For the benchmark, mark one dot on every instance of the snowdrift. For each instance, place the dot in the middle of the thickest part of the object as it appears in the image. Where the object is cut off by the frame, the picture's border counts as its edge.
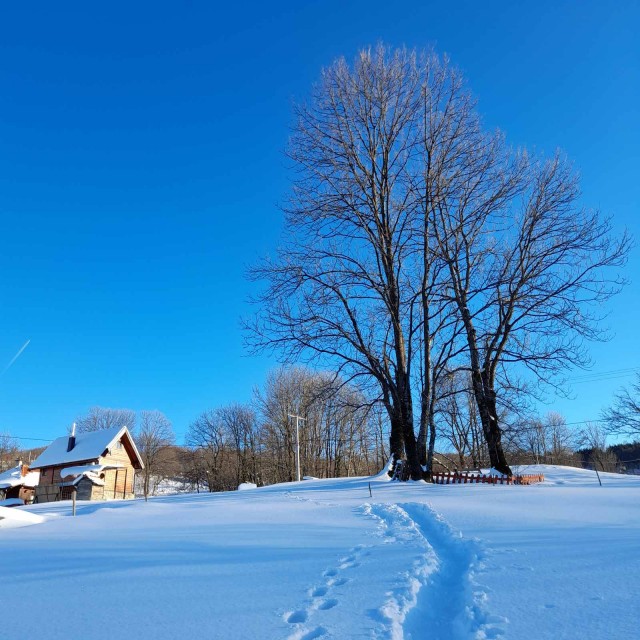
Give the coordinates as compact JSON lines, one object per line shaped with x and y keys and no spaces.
{"x":12,"y":517}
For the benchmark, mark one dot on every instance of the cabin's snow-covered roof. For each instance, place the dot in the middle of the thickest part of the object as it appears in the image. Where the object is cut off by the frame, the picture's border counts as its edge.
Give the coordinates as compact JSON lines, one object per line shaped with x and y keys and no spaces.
{"x":88,"y":446}
{"x":14,"y":478}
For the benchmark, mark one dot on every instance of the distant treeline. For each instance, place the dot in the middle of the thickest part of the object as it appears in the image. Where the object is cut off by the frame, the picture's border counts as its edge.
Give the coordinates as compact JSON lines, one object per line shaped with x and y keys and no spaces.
{"x":340,"y":431}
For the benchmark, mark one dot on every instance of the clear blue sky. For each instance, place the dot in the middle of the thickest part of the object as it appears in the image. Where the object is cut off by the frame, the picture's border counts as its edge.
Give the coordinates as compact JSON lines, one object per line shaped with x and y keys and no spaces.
{"x":141,"y":166}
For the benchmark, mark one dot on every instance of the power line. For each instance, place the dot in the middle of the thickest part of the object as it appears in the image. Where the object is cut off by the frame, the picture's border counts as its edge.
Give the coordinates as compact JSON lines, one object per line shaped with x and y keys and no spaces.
{"x":568,"y":424}
{"x":604,"y":375}
{"x":25,"y":438}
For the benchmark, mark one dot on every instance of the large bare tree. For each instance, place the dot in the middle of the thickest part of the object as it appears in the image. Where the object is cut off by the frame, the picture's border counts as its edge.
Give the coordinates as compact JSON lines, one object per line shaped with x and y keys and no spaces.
{"x":419,"y":244}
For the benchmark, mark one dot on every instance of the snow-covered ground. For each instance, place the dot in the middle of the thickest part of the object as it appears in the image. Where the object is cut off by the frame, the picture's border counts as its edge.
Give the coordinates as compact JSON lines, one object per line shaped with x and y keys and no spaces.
{"x":324,"y":559}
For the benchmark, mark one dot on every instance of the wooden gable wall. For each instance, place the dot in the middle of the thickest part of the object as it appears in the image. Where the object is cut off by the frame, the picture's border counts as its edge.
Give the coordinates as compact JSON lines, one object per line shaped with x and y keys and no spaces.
{"x":118,"y":483}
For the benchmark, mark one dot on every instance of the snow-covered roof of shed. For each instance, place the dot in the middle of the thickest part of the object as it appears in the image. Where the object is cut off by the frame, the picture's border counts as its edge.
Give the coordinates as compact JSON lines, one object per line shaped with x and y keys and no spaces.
{"x":93,"y":477}
{"x":87,"y":468}
{"x":88,"y":446}
{"x":14,"y":478}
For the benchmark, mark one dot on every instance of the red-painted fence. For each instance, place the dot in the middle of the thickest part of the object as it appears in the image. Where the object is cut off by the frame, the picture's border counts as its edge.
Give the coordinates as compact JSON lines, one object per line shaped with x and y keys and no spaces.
{"x":448,"y":477}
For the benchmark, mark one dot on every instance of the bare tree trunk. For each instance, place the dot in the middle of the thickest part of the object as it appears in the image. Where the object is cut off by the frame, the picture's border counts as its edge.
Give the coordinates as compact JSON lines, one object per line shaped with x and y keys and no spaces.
{"x":431,"y":448}
{"x":485,"y":397}
{"x":396,"y":439}
{"x":410,"y":444}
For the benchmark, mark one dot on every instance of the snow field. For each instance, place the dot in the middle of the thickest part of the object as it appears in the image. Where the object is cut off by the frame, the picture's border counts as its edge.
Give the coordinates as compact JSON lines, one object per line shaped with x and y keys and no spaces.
{"x":323,"y":559}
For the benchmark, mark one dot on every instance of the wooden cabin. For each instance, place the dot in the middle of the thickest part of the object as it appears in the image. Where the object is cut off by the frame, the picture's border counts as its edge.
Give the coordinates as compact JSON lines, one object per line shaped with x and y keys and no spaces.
{"x":99,"y":465}
{"x":19,"y":482}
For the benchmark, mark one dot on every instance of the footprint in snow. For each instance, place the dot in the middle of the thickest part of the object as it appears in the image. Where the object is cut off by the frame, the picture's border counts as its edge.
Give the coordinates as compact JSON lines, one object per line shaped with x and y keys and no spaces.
{"x":297,"y":617}
{"x":318,"y":592}
{"x":314,"y":633}
{"x":328,"y":604}
{"x":492,"y":633}
{"x":329,"y":573}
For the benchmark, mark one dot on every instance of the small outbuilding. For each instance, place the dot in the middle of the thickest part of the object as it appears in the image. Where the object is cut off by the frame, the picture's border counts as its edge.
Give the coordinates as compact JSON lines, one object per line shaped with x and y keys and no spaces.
{"x":18,"y":483}
{"x":99,"y":465}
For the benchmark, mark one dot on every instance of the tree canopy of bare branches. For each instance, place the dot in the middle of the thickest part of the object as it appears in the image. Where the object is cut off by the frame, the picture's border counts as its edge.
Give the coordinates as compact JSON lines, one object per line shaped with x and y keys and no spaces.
{"x":418,"y":244}
{"x":207,"y":436}
{"x":98,"y":418}
{"x":8,"y":451}
{"x":623,"y":417}
{"x":337,"y":435}
{"x":154,"y":439}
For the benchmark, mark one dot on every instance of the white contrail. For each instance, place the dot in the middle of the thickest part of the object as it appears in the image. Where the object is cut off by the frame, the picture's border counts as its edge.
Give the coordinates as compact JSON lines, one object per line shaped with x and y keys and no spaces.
{"x":24,"y":346}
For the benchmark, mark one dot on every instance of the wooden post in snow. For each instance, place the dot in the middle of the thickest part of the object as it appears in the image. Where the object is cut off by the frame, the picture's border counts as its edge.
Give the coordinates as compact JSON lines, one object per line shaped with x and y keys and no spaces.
{"x":595,"y":466}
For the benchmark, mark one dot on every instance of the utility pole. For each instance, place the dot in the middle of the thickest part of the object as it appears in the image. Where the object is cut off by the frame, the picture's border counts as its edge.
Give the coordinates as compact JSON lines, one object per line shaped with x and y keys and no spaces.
{"x":298,"y":418}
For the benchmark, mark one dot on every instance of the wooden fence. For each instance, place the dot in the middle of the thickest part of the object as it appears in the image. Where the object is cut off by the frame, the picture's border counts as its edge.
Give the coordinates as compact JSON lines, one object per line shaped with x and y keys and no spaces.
{"x":448,"y":477}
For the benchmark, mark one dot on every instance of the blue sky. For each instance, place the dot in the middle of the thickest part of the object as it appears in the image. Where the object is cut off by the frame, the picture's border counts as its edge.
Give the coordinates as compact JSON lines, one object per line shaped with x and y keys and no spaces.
{"x":141,"y":163}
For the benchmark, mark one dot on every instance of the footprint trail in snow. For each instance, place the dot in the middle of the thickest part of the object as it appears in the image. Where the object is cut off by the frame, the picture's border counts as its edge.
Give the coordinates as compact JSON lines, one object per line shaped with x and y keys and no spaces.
{"x":333,"y":577}
{"x":426,"y":574}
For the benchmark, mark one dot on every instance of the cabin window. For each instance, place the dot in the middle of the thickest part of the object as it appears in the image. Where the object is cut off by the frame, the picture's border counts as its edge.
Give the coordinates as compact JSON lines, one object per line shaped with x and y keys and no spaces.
{"x":118,"y":445}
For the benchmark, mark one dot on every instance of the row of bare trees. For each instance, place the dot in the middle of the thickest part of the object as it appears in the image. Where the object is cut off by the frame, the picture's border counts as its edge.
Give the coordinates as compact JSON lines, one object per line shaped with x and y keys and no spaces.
{"x":337,"y":434}
{"x":418,"y":245}
{"x":9,"y":451}
{"x":340,"y":434}
{"x":527,"y":440}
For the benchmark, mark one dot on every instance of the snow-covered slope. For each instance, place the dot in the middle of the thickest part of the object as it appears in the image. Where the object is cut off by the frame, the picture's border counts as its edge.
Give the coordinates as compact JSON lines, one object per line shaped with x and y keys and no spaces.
{"x":323,"y":558}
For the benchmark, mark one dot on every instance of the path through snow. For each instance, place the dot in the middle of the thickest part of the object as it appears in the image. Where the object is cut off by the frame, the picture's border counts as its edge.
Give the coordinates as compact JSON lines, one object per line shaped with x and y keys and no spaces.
{"x":432,"y":592}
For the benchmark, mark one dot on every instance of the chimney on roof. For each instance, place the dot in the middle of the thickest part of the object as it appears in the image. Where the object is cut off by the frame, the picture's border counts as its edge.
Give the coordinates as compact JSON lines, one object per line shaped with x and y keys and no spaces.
{"x":72,"y":438}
